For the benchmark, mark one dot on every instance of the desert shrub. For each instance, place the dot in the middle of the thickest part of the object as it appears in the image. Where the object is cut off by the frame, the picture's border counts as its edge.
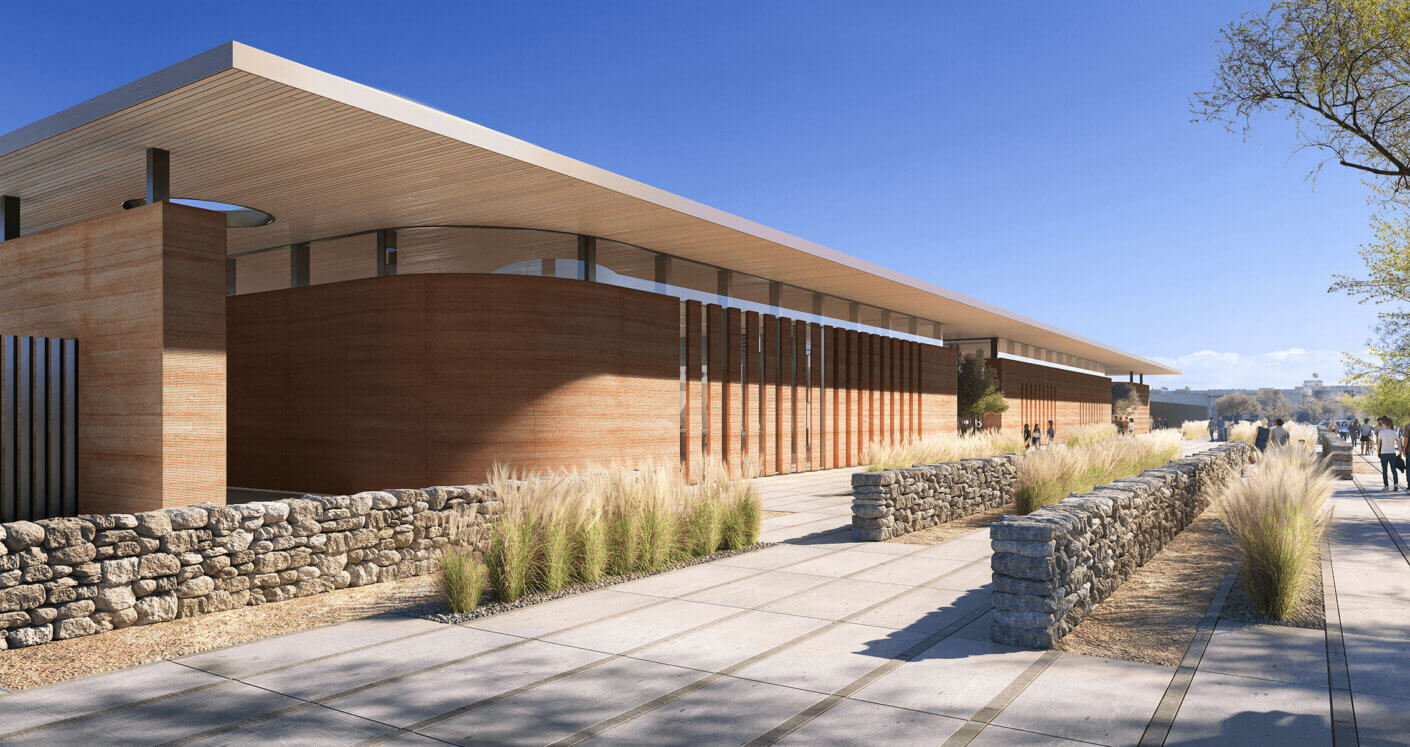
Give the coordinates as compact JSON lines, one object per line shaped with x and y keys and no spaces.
{"x":939,"y":449}
{"x":1046,"y":477}
{"x":1194,"y":430}
{"x":1279,"y":516}
{"x":462,"y":578}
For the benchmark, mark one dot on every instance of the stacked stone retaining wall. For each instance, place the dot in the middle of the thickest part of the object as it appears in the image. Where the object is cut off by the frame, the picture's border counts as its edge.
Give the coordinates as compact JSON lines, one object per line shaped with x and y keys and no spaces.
{"x":894,"y":502}
{"x":1054,"y":565}
{"x":1336,"y":452}
{"x":69,"y":577}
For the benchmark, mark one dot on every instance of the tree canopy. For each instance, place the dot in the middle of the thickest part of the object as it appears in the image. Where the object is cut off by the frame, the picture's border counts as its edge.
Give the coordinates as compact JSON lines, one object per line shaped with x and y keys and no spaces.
{"x":1232,"y":405}
{"x":1337,"y":68}
{"x":1340,"y":71}
{"x":978,"y":392}
{"x":1388,"y":398}
{"x":1273,"y":405}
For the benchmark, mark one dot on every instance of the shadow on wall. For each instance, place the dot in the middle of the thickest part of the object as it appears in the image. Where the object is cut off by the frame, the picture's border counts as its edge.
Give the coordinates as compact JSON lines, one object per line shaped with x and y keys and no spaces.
{"x":431,"y":379}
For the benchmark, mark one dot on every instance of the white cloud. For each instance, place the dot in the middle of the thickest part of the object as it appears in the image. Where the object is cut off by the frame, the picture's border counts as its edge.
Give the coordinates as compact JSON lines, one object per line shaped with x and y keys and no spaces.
{"x":1208,"y":369}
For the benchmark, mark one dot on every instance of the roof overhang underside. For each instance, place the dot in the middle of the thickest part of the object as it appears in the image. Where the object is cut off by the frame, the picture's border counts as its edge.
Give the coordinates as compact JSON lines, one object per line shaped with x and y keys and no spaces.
{"x":328,"y":157}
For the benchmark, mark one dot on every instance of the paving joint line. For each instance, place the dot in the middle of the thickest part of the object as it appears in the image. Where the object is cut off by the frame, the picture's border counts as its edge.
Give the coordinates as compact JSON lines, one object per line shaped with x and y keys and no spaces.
{"x":996,"y":705}
{"x":242,"y":679}
{"x":1343,"y":706}
{"x":631,"y":714}
{"x":1385,"y":522}
{"x":1163,"y":719}
{"x":846,"y":691}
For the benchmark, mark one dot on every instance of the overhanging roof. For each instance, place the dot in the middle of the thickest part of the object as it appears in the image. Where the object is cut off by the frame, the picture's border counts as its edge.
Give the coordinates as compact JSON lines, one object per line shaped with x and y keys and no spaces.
{"x":328,"y":157}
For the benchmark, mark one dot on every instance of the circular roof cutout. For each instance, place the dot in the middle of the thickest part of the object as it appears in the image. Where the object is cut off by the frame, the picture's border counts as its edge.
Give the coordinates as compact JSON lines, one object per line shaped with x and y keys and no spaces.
{"x":236,"y":216}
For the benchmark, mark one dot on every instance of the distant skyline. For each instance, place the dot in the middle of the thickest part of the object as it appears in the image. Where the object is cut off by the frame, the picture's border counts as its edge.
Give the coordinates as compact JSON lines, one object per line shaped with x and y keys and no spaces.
{"x":1036,"y":156}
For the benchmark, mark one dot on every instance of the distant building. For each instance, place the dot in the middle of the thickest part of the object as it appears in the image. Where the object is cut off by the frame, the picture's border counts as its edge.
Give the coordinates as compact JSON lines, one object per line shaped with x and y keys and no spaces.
{"x":1192,"y":404}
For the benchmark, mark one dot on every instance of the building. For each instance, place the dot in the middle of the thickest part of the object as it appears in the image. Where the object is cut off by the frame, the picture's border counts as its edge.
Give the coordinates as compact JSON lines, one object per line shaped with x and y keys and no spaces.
{"x":389,"y":296}
{"x":1177,"y":405}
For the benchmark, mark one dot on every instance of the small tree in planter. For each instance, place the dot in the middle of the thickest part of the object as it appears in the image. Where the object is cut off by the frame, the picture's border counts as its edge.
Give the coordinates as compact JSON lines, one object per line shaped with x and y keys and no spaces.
{"x":978,"y":393}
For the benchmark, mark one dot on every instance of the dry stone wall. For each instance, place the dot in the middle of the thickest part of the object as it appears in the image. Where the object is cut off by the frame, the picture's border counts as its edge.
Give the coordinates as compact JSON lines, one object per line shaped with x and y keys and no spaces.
{"x":1054,"y":565}
{"x":1336,"y":452}
{"x":69,"y":577}
{"x":894,"y":502}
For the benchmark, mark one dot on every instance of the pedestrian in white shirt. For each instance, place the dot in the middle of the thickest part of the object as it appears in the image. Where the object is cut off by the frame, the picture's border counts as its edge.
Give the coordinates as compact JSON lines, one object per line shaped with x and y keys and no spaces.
{"x":1388,"y":439}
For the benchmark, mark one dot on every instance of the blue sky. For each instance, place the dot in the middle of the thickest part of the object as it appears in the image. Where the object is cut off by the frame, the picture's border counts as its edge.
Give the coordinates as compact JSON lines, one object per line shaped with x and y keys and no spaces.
{"x":1039,"y":156}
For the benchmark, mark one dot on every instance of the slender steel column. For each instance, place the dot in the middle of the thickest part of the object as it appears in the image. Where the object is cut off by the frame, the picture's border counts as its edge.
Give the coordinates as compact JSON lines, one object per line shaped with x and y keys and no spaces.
{"x":663,"y":272}
{"x":724,"y":286}
{"x":386,"y":253}
{"x":158,"y":175}
{"x":298,"y":265}
{"x":587,"y":258}
{"x":9,"y":217}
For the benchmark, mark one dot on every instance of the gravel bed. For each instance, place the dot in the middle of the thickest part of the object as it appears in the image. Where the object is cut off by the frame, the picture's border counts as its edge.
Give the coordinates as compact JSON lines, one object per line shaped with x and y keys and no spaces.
{"x":436,"y":610}
{"x":1154,"y":615}
{"x":952,"y":529}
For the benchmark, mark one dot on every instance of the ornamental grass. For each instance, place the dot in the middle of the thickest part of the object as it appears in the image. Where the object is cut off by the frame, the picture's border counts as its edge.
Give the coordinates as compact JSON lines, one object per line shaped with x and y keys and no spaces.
{"x":566,"y":527}
{"x":1193,"y":430}
{"x":1086,"y":435}
{"x":1047,"y":476}
{"x":462,"y":578}
{"x":940,"y":449}
{"x":1279,"y":516}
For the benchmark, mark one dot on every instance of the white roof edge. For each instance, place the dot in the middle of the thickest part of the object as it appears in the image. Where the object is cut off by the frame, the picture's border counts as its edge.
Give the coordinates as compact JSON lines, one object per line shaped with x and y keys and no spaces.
{"x":273,"y":67}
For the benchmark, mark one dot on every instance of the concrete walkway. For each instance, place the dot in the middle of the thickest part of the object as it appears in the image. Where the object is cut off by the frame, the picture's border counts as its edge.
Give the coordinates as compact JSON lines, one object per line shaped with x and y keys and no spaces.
{"x":819,"y":640}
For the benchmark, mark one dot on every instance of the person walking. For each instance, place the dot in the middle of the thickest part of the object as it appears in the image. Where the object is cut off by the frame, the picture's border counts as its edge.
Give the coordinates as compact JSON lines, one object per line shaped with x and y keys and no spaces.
{"x":1213,"y":430}
{"x":1389,"y":440}
{"x":1279,"y":436}
{"x":1027,"y":436}
{"x":1052,"y":433}
{"x":1037,"y":436}
{"x":1366,"y":431}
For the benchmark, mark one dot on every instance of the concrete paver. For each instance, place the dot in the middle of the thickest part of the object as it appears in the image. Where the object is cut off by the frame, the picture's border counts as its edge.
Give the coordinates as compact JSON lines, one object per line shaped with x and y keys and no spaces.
{"x":1224,"y":709}
{"x":687,"y":650}
{"x":1060,"y":701}
{"x":853,"y":721}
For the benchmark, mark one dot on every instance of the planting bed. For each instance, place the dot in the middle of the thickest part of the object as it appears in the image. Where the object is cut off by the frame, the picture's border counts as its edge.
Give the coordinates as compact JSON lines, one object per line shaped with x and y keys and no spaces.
{"x":435,"y":609}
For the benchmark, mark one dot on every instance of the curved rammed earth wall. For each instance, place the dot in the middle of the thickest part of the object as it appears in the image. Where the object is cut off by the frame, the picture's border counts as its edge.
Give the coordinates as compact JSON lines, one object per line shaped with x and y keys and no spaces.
{"x":432,"y":379}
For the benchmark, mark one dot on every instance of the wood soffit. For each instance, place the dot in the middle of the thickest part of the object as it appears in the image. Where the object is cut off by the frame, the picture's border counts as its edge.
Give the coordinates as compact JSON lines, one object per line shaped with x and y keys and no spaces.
{"x":327,"y":156}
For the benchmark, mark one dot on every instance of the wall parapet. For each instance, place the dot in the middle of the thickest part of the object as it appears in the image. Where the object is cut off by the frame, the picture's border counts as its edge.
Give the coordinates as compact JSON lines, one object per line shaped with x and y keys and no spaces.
{"x":1054,"y":565}
{"x":70,"y":577}
{"x":894,"y":502}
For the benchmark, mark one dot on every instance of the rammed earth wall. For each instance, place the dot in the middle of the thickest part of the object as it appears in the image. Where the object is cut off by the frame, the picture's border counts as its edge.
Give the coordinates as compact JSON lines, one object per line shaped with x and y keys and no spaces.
{"x":1054,"y":565}
{"x":894,"y":502}
{"x":71,"y":577}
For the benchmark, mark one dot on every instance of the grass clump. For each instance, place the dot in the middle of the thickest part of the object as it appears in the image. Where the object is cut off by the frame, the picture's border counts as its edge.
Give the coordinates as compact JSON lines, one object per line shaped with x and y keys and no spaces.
{"x":1194,"y":430}
{"x":1086,"y":435}
{"x":1046,"y":477}
{"x":511,"y":555}
{"x":462,"y":578}
{"x":940,"y":449}
{"x":562,"y":527}
{"x":1279,"y":516}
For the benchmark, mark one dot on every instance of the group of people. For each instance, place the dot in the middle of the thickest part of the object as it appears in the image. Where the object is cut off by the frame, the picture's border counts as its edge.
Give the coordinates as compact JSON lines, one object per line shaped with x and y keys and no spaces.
{"x":1391,"y":445}
{"x":1033,"y":436}
{"x":1125,"y":426}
